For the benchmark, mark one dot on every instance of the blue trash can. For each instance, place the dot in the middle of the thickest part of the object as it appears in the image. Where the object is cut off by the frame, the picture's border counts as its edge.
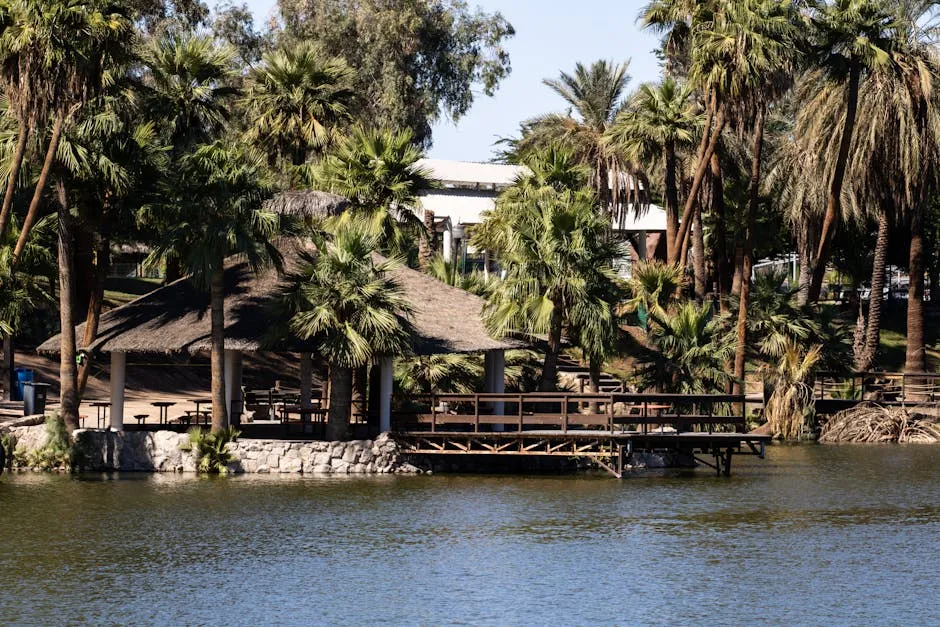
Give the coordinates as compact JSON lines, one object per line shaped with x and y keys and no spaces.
{"x":22,"y":376}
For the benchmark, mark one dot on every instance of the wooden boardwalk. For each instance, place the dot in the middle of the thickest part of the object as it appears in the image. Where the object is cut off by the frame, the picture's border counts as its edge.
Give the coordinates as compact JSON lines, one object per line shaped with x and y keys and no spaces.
{"x":605,"y":428}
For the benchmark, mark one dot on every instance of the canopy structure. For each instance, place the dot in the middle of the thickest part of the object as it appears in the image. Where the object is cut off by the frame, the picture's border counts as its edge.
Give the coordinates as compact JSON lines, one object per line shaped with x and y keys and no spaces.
{"x":176,"y":318}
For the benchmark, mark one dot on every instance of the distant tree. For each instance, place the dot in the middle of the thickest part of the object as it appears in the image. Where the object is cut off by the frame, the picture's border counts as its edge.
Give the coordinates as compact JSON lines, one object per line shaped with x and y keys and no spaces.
{"x":415,"y":61}
{"x":235,"y":25}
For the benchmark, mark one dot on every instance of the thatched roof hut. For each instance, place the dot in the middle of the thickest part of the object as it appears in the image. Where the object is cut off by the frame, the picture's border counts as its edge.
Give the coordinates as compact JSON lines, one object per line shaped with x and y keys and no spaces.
{"x":307,"y":203}
{"x":175,"y":319}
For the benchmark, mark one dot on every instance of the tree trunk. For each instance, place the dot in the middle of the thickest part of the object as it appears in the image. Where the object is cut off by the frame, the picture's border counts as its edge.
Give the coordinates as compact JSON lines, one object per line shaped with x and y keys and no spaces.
{"x":740,"y":354}
{"x":916,"y":358}
{"x":340,"y":402}
{"x":706,"y":150}
{"x":217,"y":350}
{"x":875,"y":298}
{"x":736,"y":278}
{"x":698,"y":258}
{"x":96,"y":300}
{"x":722,"y":266}
{"x":33,"y":213}
{"x":18,"y":154}
{"x":672,"y":200}
{"x":806,"y":269}
{"x":549,"y":381}
{"x":834,"y":201}
{"x":68,"y":375}
{"x":425,"y":241}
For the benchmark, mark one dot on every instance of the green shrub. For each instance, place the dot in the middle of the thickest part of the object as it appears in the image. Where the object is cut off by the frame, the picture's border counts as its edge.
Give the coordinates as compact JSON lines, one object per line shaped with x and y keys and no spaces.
{"x":8,"y":444}
{"x":211,"y":449}
{"x":57,"y":451}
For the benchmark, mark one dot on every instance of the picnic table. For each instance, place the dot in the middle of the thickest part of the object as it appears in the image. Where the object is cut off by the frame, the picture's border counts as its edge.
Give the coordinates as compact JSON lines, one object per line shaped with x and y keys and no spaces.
{"x":307,"y":416}
{"x":101,"y":408}
{"x":163,"y":410}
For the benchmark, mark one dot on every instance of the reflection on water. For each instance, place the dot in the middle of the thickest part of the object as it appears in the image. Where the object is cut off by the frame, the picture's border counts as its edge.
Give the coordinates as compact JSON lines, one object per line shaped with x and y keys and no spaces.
{"x":812,"y":534}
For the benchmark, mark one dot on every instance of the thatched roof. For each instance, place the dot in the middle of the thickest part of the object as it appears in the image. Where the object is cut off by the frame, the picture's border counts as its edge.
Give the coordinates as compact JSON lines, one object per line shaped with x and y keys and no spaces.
{"x":175,"y":318}
{"x":309,"y":203}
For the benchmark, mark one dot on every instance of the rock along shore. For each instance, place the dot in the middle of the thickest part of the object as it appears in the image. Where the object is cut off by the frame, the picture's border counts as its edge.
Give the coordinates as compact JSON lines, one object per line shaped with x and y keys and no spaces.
{"x":159,"y":451}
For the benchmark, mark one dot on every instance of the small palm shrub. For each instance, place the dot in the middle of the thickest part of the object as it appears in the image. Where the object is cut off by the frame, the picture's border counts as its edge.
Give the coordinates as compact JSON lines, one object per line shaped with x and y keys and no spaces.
{"x":8,"y":443}
{"x":211,"y":449}
{"x":57,"y":452}
{"x":790,"y":408}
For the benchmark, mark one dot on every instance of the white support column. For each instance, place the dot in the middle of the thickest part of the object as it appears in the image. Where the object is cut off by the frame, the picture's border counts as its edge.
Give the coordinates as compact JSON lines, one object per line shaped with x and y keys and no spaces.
{"x":306,"y":381}
{"x":385,"y":393}
{"x":118,"y":374}
{"x":448,"y":247}
{"x":238,"y":400}
{"x":228,"y":376}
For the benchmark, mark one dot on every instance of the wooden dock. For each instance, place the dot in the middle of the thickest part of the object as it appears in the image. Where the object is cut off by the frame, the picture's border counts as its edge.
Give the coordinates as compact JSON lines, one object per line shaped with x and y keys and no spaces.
{"x":605,"y":428}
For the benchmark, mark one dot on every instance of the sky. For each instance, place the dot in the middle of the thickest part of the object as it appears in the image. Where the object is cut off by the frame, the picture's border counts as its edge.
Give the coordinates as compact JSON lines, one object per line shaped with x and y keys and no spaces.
{"x":551,"y":36}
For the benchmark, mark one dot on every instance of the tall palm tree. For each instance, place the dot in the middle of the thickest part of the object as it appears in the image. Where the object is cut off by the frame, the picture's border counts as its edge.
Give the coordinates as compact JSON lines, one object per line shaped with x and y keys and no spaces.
{"x":342,"y":298}
{"x":295,"y":98}
{"x":190,"y":82}
{"x":659,"y":123}
{"x":551,"y":243}
{"x":376,"y":170}
{"x":595,"y":95}
{"x":215,"y":209}
{"x":852,"y":37}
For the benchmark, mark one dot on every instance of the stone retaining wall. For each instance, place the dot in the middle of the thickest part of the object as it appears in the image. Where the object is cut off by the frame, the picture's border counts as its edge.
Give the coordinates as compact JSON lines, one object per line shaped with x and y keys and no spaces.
{"x":159,"y":451}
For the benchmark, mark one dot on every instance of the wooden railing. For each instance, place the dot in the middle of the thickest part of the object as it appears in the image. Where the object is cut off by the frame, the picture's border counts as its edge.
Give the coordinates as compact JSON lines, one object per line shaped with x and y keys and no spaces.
{"x":564,"y":411}
{"x":889,"y":387}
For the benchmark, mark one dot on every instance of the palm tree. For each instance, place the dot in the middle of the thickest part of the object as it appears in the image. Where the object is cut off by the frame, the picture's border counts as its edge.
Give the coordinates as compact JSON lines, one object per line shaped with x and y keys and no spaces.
{"x":376,"y":170}
{"x":660,"y":122}
{"x":342,"y":298}
{"x":690,"y":350}
{"x":551,"y":243}
{"x":653,"y":290}
{"x":295,"y":98}
{"x":851,"y":38}
{"x":190,"y":83}
{"x":596,"y":94}
{"x":214,"y":210}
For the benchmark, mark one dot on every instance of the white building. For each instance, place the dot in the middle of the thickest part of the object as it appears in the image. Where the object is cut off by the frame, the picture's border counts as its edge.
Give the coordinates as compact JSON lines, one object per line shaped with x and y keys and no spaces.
{"x":466,"y":190}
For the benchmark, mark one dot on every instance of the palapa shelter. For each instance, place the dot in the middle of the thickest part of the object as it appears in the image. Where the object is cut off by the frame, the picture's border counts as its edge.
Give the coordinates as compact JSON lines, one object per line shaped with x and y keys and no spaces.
{"x":175,"y":319}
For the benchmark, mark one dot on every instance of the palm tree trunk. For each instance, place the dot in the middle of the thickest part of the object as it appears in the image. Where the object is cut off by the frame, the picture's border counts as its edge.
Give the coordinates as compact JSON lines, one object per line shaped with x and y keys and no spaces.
{"x":425,"y":241}
{"x":916,"y":359}
{"x":18,"y":154}
{"x":698,"y":258}
{"x":738,"y":270}
{"x":93,"y":316}
{"x":217,"y":350}
{"x":833,"y":203}
{"x":806,"y":268}
{"x":722,"y":267}
{"x":875,"y":300}
{"x":340,"y":402}
{"x":68,"y":375}
{"x":740,"y":354}
{"x":33,"y":213}
{"x":549,"y":380}
{"x":672,"y":200}
{"x":706,"y":150}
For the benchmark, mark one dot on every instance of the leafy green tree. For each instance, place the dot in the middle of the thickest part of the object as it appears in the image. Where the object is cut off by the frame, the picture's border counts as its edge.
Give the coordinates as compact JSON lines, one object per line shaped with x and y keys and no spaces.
{"x":342,"y":299}
{"x":295,"y":98}
{"x":376,"y":170}
{"x":415,"y":61}
{"x":213,"y":209}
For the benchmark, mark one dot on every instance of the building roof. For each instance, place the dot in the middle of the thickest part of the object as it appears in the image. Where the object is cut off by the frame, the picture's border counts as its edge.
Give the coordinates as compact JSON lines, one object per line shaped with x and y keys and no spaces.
{"x":176,"y":317}
{"x":652,"y":219}
{"x":472,"y":175}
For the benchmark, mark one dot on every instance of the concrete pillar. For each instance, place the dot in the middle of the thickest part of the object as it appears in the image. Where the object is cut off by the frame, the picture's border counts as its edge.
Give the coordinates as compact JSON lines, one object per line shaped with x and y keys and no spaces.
{"x":238,"y":399}
{"x":386,"y":379}
{"x":448,"y":246}
{"x":118,"y":375}
{"x":306,"y":381}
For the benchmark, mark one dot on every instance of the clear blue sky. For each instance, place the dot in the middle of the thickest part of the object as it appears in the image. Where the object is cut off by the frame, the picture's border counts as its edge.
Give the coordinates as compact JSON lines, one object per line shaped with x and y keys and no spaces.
{"x":550,"y":37}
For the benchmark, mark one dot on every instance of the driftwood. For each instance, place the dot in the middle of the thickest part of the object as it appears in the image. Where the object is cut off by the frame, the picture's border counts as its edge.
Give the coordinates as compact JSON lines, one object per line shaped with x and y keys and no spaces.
{"x":870,"y":422}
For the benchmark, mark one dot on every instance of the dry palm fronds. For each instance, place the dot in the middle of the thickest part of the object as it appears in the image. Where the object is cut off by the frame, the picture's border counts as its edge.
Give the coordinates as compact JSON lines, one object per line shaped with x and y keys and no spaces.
{"x":874,"y":423}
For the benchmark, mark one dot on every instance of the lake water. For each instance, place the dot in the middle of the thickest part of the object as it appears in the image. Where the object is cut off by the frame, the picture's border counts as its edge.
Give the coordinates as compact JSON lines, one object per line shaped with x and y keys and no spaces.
{"x":837,"y":535}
